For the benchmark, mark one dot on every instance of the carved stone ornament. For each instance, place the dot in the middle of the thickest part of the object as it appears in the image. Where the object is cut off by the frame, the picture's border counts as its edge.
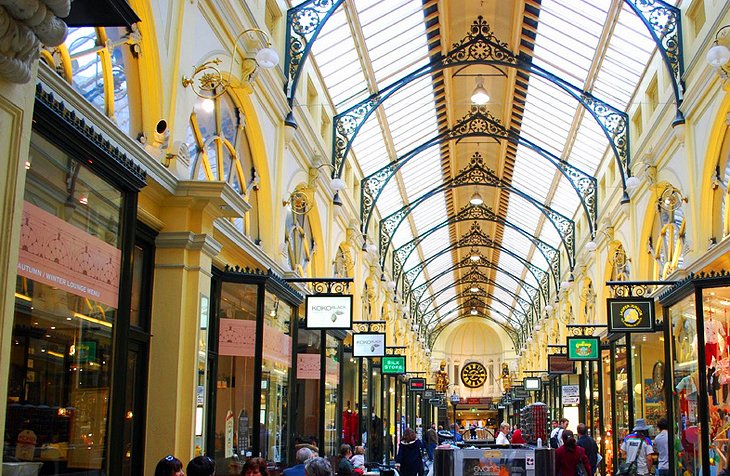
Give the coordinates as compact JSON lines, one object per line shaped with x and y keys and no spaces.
{"x":24,"y":26}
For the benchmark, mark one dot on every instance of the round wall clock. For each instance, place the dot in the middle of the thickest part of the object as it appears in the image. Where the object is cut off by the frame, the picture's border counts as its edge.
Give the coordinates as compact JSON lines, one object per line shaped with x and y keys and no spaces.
{"x":657,"y":375}
{"x":473,"y":375}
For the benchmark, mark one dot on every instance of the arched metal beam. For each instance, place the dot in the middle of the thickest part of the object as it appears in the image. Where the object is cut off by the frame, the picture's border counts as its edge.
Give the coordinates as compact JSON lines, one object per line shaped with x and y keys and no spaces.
{"x":476,"y":238}
{"x":478,"y":122}
{"x":481,"y":47}
{"x":476,"y":173}
{"x":433,"y":335}
{"x":469,"y":303}
{"x":305,"y":21}
{"x":477,"y":213}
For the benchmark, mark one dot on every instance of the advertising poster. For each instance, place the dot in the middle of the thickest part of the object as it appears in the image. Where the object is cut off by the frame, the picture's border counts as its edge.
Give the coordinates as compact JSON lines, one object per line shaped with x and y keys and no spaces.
{"x":497,"y":462}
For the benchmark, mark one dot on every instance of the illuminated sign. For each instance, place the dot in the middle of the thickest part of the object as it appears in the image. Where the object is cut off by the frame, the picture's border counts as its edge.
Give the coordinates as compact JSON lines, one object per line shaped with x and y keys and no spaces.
{"x":630,"y":314}
{"x":584,"y":348}
{"x":558,"y":364}
{"x":393,"y":365}
{"x":532,"y":383}
{"x":416,"y":384}
{"x":368,"y":345}
{"x":329,"y":311}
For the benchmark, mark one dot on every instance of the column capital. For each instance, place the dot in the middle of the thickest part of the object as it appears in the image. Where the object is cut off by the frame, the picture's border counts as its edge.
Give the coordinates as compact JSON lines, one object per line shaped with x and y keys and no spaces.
{"x":189,"y":241}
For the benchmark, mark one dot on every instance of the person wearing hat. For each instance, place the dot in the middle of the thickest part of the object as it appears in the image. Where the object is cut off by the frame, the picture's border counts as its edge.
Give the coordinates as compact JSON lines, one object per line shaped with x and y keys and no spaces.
{"x":637,"y":447}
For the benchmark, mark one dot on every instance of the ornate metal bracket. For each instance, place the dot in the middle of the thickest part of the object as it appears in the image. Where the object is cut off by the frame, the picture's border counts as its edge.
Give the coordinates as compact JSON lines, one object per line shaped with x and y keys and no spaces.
{"x":584,"y":329}
{"x":480,"y":123}
{"x":396,"y":350}
{"x":635,"y":288}
{"x":325,"y":285}
{"x":476,"y":173}
{"x":664,"y":22}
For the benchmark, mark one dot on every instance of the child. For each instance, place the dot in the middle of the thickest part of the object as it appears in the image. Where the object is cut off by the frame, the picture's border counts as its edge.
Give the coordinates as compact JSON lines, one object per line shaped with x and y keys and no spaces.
{"x":201,"y":466}
{"x":358,"y":460}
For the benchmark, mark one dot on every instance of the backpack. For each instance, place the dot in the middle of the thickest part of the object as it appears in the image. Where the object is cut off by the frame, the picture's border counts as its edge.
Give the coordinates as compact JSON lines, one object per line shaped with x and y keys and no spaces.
{"x":555,"y":439}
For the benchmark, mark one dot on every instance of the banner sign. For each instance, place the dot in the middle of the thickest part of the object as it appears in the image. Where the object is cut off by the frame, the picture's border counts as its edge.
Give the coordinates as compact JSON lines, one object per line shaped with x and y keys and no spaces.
{"x":393,"y":364}
{"x":532,"y":383}
{"x":329,"y":311}
{"x":368,"y":345}
{"x":416,"y":384}
{"x":429,"y":393}
{"x":558,"y":364}
{"x":630,"y":314}
{"x":571,"y":394}
{"x":584,"y":348}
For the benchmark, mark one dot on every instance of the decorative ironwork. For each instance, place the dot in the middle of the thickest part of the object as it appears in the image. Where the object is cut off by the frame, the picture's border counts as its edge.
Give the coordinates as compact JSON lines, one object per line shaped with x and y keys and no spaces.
{"x":476,"y":173}
{"x":479,"y":122}
{"x":664,"y":22}
{"x":478,"y":213}
{"x":304,"y":23}
{"x":584,"y":330}
{"x":369,"y":326}
{"x":635,"y":288}
{"x":428,"y":317}
{"x":325,"y":285}
{"x":396,"y":350}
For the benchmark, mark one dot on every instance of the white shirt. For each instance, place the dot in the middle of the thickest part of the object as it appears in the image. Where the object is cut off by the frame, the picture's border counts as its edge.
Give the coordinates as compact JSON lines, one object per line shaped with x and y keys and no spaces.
{"x":631,"y":446}
{"x":558,"y":433}
{"x":661,"y":446}
{"x":502,"y":439}
{"x":713,"y":329}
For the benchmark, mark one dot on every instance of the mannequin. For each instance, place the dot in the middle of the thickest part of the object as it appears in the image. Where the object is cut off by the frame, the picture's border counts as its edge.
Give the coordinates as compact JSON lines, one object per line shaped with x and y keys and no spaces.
{"x":713,"y":330}
{"x":350,"y":425}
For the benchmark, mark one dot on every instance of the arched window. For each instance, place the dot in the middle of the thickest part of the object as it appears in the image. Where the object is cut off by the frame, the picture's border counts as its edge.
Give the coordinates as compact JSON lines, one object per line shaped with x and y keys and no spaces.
{"x":96,"y":62}
{"x":666,"y":243}
{"x":220,"y":151}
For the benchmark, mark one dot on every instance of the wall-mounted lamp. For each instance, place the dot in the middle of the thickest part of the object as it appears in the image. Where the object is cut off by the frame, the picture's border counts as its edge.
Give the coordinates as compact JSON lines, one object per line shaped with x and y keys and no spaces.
{"x":476,"y":199}
{"x":207,"y":80}
{"x":336,"y":183}
{"x":719,"y":55}
{"x":479,"y":96}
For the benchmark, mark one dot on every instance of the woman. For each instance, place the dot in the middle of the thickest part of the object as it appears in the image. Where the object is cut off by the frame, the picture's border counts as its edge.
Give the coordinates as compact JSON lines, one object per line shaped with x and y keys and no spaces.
{"x":254,"y":467}
{"x":569,"y":456}
{"x":517,"y":438}
{"x":169,"y":466}
{"x":344,"y":466}
{"x":502,"y":435}
{"x":408,"y":460}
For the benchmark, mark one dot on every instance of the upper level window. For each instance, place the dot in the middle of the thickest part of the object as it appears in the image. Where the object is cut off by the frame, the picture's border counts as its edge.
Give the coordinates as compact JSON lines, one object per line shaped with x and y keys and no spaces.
{"x":95,"y":62}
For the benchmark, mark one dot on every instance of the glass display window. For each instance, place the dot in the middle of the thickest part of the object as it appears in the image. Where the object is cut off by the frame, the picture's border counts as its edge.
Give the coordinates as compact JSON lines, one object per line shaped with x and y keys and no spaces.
{"x":606,"y":441}
{"x":685,"y":388}
{"x":331,"y":395}
{"x":309,"y":347}
{"x":647,"y":373}
{"x":66,"y":299}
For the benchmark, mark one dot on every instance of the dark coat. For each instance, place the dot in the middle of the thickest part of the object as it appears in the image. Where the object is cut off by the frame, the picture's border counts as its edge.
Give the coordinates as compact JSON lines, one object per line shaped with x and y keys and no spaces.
{"x":297,"y":470}
{"x":410,"y":459}
{"x":588,"y":444}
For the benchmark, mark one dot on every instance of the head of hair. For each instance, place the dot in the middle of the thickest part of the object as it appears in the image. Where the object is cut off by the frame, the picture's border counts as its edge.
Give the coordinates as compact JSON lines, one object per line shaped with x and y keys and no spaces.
{"x":253,"y":464}
{"x":318,"y":466}
{"x":303,"y":454}
{"x":554,"y":422}
{"x":662,"y":424}
{"x":345,"y":449}
{"x":569,"y":440}
{"x":563,"y":421}
{"x":582,"y":429}
{"x":504,"y":426}
{"x":408,"y":435}
{"x":168,"y":466}
{"x":359,"y":450}
{"x":200,"y":466}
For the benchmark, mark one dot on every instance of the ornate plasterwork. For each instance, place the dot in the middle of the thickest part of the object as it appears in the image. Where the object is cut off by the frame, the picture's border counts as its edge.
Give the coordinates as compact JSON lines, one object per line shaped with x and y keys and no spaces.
{"x":24,"y":26}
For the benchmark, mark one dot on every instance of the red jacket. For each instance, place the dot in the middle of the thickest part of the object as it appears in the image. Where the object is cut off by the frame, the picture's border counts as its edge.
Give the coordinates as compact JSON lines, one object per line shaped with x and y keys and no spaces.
{"x":517,"y":438}
{"x":566,"y":461}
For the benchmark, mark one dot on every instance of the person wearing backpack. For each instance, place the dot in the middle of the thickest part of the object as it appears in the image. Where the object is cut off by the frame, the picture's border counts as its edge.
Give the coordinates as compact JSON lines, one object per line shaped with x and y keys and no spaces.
{"x":637,"y":449}
{"x":556,"y":436}
{"x":571,"y":459}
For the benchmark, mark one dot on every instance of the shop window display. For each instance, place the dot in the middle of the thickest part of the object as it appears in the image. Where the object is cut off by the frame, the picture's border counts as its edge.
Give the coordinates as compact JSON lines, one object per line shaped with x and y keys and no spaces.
{"x":647,"y":372}
{"x":685,"y":383}
{"x":332,"y":381}
{"x":65,"y":312}
{"x":306,"y":422}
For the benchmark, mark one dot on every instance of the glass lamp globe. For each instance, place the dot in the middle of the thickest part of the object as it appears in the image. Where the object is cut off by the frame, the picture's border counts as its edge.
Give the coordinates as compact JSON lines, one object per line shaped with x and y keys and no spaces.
{"x":267,"y":57}
{"x":718,"y":56}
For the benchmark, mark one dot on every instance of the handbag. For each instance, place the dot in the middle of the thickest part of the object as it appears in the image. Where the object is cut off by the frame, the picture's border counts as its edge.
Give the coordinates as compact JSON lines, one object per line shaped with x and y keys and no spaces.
{"x":580,"y":470}
{"x":629,"y":469}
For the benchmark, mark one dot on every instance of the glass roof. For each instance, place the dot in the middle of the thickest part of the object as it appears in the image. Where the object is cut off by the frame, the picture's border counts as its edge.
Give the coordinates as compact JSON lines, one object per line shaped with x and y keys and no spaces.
{"x":371,"y":44}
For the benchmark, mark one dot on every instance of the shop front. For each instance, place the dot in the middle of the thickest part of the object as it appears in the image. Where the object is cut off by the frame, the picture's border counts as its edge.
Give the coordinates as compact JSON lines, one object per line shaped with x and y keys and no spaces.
{"x":78,"y":359}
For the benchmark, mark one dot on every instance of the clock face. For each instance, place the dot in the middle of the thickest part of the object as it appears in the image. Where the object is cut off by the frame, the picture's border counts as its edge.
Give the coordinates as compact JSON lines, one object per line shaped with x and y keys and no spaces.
{"x":473,"y":375}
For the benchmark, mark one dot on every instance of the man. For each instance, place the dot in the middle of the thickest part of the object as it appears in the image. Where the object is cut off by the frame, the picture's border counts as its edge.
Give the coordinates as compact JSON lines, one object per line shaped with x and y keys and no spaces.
{"x":318,"y":467}
{"x":588,"y":444}
{"x":302,"y":456}
{"x":661,"y":446}
{"x":556,"y":436}
{"x":200,"y":466}
{"x":637,"y":447}
{"x":502,"y":435}
{"x":431,"y":440}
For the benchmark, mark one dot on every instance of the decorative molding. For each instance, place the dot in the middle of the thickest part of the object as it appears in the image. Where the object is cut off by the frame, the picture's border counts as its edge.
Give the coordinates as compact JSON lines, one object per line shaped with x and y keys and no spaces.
{"x":189,"y":241}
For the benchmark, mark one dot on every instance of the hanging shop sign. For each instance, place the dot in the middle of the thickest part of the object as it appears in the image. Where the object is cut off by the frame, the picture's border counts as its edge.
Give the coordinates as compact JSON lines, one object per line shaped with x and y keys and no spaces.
{"x":584,"y":348}
{"x":393,"y":365}
{"x":416,"y":384}
{"x":329,"y":311}
{"x":429,"y":393}
{"x":368,"y":344}
{"x":532,"y":383}
{"x":520,"y":394}
{"x":571,"y":394}
{"x":558,"y":364}
{"x":630,"y":314}
{"x":473,"y":375}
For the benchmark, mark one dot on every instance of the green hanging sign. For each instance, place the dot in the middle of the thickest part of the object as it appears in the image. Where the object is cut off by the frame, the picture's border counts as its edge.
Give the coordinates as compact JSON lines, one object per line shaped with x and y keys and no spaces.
{"x":393,"y":364}
{"x":584,"y":348}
